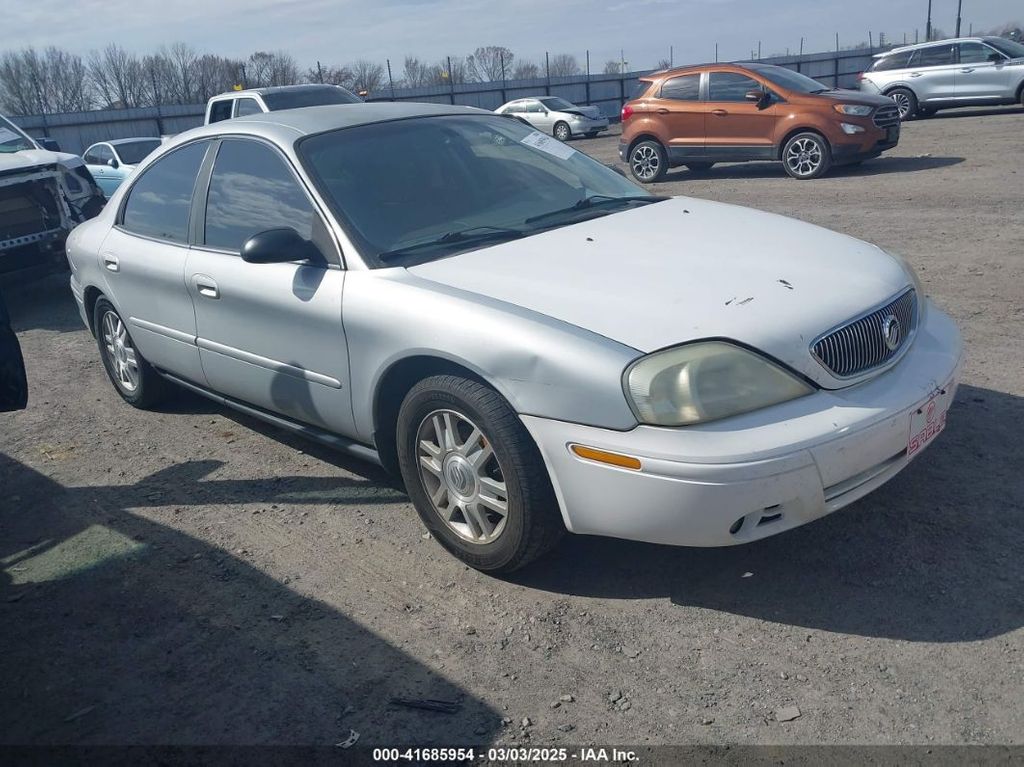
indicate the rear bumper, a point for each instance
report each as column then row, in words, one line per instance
column 755, row 475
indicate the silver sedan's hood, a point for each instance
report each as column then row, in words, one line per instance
column 687, row 269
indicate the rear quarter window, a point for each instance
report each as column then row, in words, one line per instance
column 640, row 89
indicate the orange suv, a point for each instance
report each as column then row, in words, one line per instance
column 697, row 116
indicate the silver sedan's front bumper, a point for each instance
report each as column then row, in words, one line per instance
column 758, row 474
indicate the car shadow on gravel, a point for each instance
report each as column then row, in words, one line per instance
column 44, row 304
column 875, row 167
column 935, row 555
column 120, row 630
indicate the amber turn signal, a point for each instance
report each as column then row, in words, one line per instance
column 603, row 456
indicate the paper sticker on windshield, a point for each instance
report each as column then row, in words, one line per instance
column 552, row 146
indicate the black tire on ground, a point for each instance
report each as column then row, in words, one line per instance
column 807, row 155
column 532, row 520
column 699, row 167
column 562, row 131
column 149, row 387
column 923, row 112
column 593, row 134
column 906, row 101
column 648, row 162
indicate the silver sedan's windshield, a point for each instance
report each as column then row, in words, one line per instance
column 418, row 189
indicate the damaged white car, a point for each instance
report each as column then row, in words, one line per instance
column 43, row 196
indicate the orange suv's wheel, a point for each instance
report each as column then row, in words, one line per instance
column 648, row 162
column 807, row 155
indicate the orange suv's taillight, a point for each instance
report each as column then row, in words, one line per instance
column 627, row 112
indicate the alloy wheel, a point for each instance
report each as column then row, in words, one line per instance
column 902, row 101
column 562, row 132
column 646, row 162
column 120, row 352
column 462, row 476
column 804, row 157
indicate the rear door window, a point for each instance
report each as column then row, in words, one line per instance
column 684, row 88
column 159, row 202
column 936, row 56
column 895, row 61
column 252, row 190
column 221, row 110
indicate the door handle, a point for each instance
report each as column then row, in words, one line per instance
column 719, row 112
column 663, row 111
column 968, row 69
column 111, row 263
column 915, row 74
column 205, row 286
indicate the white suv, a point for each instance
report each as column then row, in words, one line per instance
column 967, row 71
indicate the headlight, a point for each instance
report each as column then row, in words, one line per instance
column 706, row 381
column 922, row 303
column 856, row 110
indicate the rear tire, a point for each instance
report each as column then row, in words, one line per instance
column 133, row 377
column 475, row 476
column 807, row 155
column 906, row 102
column 648, row 162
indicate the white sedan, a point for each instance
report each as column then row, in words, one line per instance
column 557, row 117
column 531, row 341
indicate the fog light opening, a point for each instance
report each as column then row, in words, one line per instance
column 737, row 526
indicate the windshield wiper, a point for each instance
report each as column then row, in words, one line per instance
column 593, row 201
column 473, row 235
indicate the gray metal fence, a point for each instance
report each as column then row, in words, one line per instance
column 76, row 131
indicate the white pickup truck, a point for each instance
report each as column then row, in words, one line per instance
column 256, row 100
column 43, row 196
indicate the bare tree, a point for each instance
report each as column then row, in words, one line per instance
column 366, row 75
column 490, row 63
column 663, row 64
column 457, row 73
column 118, row 77
column 613, row 67
column 564, row 65
column 333, row 75
column 265, row 69
column 216, row 74
column 19, row 87
column 416, row 73
column 183, row 62
column 525, row 70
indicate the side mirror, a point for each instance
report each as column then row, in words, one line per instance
column 112, row 162
column 755, row 95
column 279, row 246
column 996, row 57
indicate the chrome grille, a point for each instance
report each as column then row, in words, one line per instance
column 887, row 116
column 860, row 345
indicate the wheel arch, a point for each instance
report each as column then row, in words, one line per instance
column 90, row 296
column 803, row 129
column 647, row 136
column 397, row 380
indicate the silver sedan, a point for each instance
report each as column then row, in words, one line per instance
column 532, row 342
column 556, row 116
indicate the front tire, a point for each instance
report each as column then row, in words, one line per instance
column 475, row 475
column 648, row 162
column 806, row 156
column 906, row 102
column 562, row 131
column 133, row 377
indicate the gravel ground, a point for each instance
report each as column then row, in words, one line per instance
column 190, row 576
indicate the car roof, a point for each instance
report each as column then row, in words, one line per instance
column 694, row 68
column 947, row 41
column 276, row 89
column 132, row 140
column 286, row 125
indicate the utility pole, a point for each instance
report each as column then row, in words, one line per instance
column 716, row 53
column 391, row 80
column 319, row 72
column 928, row 26
column 959, row 8
column 671, row 56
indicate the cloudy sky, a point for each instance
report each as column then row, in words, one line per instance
column 337, row 31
